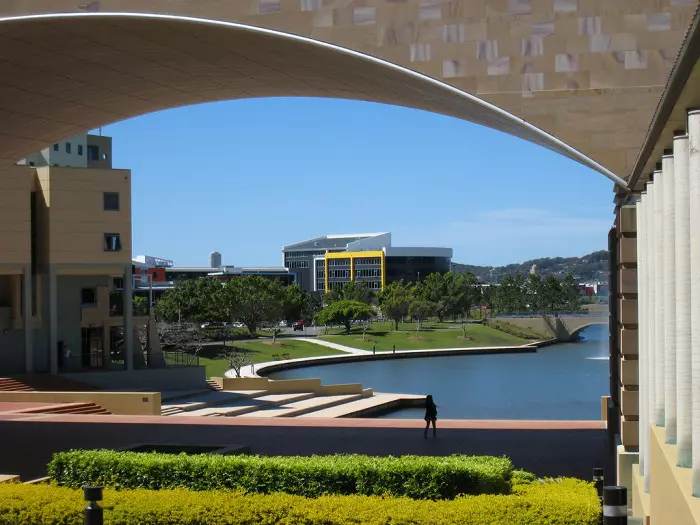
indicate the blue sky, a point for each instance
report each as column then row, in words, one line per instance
column 246, row 177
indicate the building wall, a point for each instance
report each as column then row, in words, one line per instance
column 412, row 269
column 104, row 158
column 15, row 218
column 74, row 218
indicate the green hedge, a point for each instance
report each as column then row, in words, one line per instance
column 570, row 502
column 416, row 477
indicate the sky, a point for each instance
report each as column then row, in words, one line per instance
column 247, row 177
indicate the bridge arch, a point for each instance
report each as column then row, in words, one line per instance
column 577, row 330
column 62, row 74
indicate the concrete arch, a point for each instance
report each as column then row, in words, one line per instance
column 74, row 72
column 589, row 72
column 579, row 329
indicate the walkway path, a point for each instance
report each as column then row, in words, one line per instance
column 335, row 346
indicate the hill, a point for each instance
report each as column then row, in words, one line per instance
column 589, row 268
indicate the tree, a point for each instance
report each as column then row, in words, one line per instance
column 570, row 294
column 200, row 300
column 344, row 312
column 395, row 301
column 510, row 296
column 435, row 292
column 350, row 291
column 140, row 305
column 254, row 301
column 237, row 358
column 298, row 303
column 419, row 310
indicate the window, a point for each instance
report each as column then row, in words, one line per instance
column 111, row 201
column 112, row 242
column 93, row 152
column 88, row 296
column 80, row 150
column 31, row 163
column 68, row 148
column 55, row 147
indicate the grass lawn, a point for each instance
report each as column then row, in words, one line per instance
column 479, row 336
column 263, row 351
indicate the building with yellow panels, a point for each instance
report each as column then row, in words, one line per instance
column 323, row 263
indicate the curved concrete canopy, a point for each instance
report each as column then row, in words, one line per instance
column 62, row 74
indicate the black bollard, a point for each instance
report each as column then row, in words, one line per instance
column 93, row 511
column 393, row 349
column 614, row 505
column 374, row 349
column 599, row 481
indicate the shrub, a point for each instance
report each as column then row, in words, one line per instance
column 416, row 477
column 570, row 502
column 523, row 332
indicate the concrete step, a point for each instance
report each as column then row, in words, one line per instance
column 364, row 407
column 248, row 405
column 305, row 406
column 71, row 408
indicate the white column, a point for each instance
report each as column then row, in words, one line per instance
column 128, row 318
column 669, row 298
column 642, row 287
column 650, row 344
column 659, row 317
column 27, row 295
column 53, row 322
column 694, row 191
column 683, row 356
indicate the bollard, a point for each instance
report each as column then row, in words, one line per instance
column 374, row 349
column 599, row 481
column 614, row 505
column 93, row 511
column 393, row 349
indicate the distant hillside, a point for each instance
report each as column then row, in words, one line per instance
column 589, row 268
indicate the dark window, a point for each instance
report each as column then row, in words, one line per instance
column 55, row 147
column 68, row 147
column 88, row 296
column 111, row 201
column 31, row 163
column 112, row 242
column 93, row 152
column 80, row 150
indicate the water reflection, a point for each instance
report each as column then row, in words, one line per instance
column 563, row 381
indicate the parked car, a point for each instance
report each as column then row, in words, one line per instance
column 298, row 326
column 213, row 324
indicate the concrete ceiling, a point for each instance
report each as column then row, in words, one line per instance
column 61, row 75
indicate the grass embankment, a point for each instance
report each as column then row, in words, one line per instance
column 261, row 352
column 384, row 340
column 516, row 330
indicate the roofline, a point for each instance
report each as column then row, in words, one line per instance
column 334, row 236
column 687, row 58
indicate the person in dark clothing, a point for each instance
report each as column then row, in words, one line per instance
column 430, row 415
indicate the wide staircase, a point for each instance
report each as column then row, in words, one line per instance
column 69, row 408
column 42, row 383
column 283, row 401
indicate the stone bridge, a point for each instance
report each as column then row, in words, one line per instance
column 563, row 328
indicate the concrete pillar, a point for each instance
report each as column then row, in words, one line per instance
column 53, row 322
column 128, row 318
column 642, row 300
column 650, row 325
column 682, row 263
column 27, row 316
column 659, row 315
column 694, row 193
column 669, row 297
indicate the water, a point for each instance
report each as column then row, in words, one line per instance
column 563, row 381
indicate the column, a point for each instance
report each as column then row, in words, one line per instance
column 53, row 322
column 642, row 300
column 128, row 318
column 669, row 297
column 694, row 205
column 682, row 247
column 649, row 344
column 659, row 317
column 27, row 316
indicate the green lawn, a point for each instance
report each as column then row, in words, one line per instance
column 479, row 336
column 263, row 351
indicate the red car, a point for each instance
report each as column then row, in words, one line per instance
column 298, row 325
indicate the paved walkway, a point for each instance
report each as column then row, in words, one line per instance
column 335, row 346
column 548, row 448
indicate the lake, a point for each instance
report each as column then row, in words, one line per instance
column 563, row 381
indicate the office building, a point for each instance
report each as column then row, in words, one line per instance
column 65, row 263
column 326, row 262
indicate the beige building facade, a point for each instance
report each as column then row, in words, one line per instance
column 65, row 266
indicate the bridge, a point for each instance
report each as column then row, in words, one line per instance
column 564, row 327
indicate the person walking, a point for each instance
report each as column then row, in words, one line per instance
column 430, row 415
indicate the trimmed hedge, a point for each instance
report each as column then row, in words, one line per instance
column 569, row 502
column 417, row 477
